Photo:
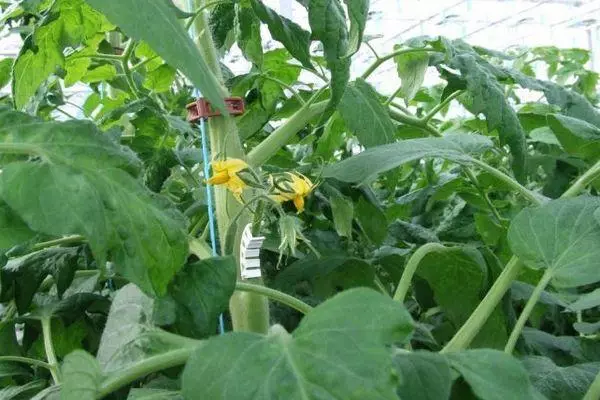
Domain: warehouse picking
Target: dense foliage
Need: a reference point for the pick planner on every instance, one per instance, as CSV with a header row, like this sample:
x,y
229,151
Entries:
x,y
439,243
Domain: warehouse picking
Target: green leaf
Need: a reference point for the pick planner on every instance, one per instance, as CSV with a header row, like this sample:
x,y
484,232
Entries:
x,y
587,328
102,73
423,376
558,383
199,293
81,376
577,137
358,11
5,71
22,276
13,230
160,79
327,21
143,233
562,236
248,32
130,309
448,269
22,392
365,116
167,37
222,22
337,352
69,23
343,213
371,220
295,39
488,99
411,69
326,275
586,301
493,375
372,162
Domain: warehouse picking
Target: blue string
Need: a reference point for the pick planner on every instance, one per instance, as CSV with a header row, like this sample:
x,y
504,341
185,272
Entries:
x,y
209,201
206,160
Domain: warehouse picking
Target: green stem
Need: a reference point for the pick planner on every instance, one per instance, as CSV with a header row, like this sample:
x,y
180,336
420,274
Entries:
x,y
276,295
483,194
414,121
282,135
49,280
383,59
59,242
98,56
49,348
315,73
589,176
30,361
528,194
393,96
471,327
127,53
593,392
535,296
140,369
411,267
440,106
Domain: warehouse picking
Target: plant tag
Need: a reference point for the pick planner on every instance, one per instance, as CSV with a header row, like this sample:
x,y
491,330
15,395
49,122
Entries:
x,y
250,254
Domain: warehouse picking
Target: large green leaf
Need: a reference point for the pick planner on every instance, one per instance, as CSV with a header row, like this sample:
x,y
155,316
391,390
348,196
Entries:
x,y
371,162
488,98
222,22
561,236
358,11
343,213
493,375
338,352
577,137
448,269
69,23
81,376
327,21
365,116
559,383
295,39
197,295
167,37
84,179
5,71
411,70
423,376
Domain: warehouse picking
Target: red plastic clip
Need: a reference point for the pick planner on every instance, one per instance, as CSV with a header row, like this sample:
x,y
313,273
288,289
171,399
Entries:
x,y
201,108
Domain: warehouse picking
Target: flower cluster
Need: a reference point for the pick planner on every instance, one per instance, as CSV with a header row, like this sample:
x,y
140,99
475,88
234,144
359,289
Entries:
x,y
287,186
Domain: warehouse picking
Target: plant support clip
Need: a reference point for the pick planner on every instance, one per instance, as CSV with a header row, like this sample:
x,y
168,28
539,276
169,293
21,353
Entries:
x,y
250,254
201,108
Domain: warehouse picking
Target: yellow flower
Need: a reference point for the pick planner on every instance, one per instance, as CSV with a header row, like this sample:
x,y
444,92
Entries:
x,y
225,173
291,186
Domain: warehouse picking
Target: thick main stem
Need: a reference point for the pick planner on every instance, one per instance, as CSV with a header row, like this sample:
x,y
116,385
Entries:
x,y
535,296
249,311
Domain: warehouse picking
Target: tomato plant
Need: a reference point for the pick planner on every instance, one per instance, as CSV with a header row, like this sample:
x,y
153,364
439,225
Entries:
x,y
408,252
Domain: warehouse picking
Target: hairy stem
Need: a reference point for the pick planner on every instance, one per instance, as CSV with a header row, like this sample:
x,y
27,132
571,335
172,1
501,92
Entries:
x,y
49,349
72,239
414,121
441,106
285,86
411,268
140,369
282,135
528,194
127,53
276,295
535,296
